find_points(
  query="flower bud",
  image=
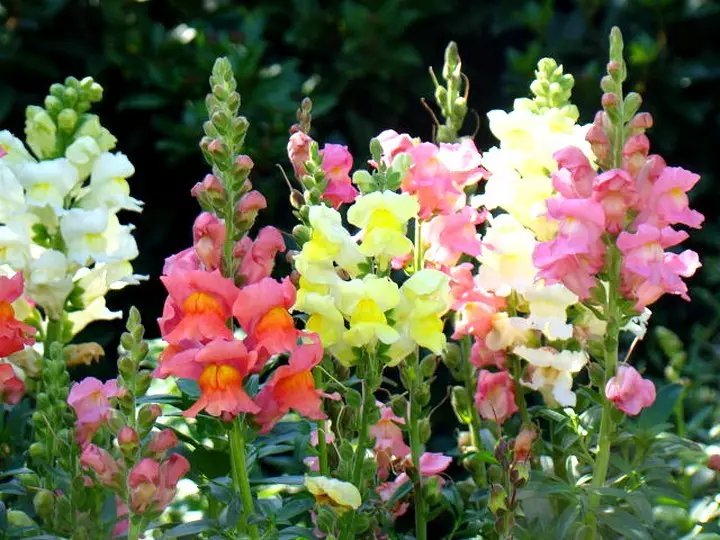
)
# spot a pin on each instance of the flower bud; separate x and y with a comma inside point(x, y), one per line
point(498, 499)
point(461, 404)
point(162, 441)
point(428, 365)
point(296, 199)
point(67, 120)
point(29, 480)
point(43, 502)
point(244, 163)
point(148, 414)
point(609, 100)
point(452, 357)
point(142, 382)
point(301, 234)
point(128, 439)
point(126, 366)
point(425, 430)
point(714, 462)
point(641, 121)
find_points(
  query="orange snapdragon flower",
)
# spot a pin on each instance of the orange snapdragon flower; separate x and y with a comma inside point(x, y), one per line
point(198, 306)
point(262, 311)
point(293, 387)
point(219, 368)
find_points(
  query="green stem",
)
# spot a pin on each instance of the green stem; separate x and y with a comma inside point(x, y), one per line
point(53, 333)
point(475, 423)
point(368, 401)
point(322, 441)
point(416, 448)
point(240, 478)
point(607, 427)
point(520, 391)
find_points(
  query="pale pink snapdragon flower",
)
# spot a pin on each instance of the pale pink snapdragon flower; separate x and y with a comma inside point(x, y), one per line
point(629, 391)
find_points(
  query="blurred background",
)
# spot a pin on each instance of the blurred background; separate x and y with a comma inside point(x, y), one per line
point(364, 64)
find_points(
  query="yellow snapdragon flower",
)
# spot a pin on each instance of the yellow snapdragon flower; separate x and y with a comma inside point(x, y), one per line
point(330, 242)
point(342, 496)
point(325, 319)
point(383, 217)
point(424, 299)
point(365, 303)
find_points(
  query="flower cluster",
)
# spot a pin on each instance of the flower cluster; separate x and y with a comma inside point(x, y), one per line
point(59, 206)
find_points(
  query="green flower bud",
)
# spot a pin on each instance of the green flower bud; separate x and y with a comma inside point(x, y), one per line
point(498, 499)
point(56, 90)
point(40, 131)
point(70, 96)
point(44, 501)
point(301, 234)
point(67, 120)
point(461, 404)
point(53, 105)
point(597, 374)
point(452, 357)
point(428, 365)
point(148, 414)
point(425, 430)
point(399, 406)
point(29, 480)
point(142, 382)
point(126, 366)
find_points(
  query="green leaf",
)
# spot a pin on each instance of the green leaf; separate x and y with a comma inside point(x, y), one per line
point(189, 387)
point(295, 507)
point(193, 529)
point(294, 480)
point(292, 533)
point(143, 102)
point(566, 520)
point(625, 524)
point(660, 411)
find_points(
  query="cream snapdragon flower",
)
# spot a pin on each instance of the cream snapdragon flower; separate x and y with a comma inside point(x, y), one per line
point(551, 372)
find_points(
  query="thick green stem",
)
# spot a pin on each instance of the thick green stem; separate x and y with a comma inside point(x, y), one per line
point(322, 440)
point(607, 427)
point(240, 478)
point(53, 333)
point(416, 445)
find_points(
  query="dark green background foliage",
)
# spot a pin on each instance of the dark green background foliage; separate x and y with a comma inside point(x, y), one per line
point(364, 65)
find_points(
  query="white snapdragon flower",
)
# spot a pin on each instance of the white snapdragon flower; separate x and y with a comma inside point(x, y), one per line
point(15, 242)
point(108, 185)
point(507, 257)
point(47, 183)
point(548, 309)
point(82, 153)
point(12, 195)
point(48, 282)
point(508, 332)
point(551, 372)
point(96, 311)
point(15, 152)
point(97, 235)
point(96, 282)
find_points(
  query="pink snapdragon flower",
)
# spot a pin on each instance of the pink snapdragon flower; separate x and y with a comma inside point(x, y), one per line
point(669, 203)
point(431, 182)
point(186, 260)
point(208, 239)
point(463, 161)
point(560, 262)
point(615, 190)
point(434, 463)
point(257, 258)
point(298, 150)
point(12, 387)
point(393, 144)
point(389, 443)
point(101, 463)
point(336, 164)
point(574, 177)
point(629, 391)
point(581, 223)
point(481, 356)
point(90, 399)
point(649, 271)
point(449, 236)
point(153, 486)
point(495, 397)
point(162, 441)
